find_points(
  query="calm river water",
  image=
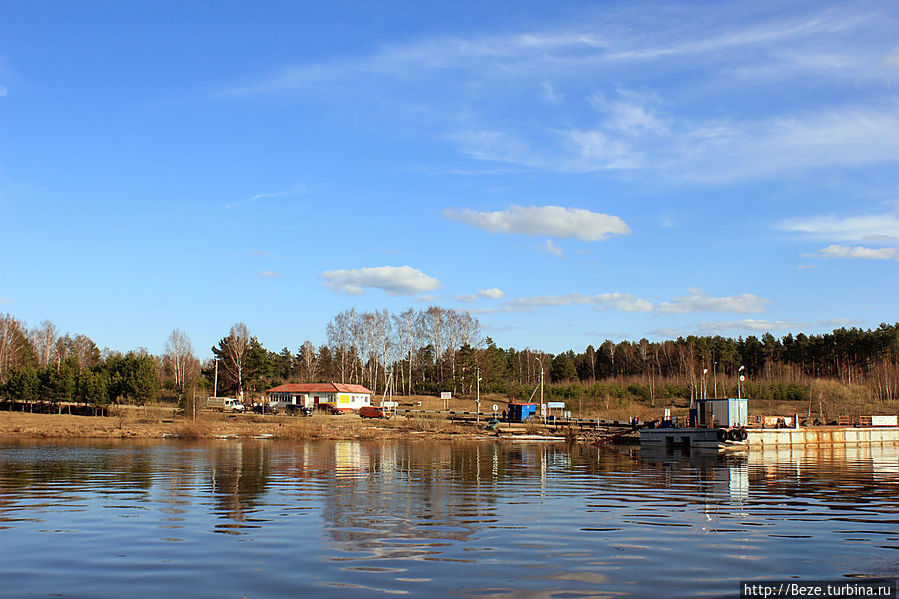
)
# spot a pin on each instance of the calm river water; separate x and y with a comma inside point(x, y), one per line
point(425, 518)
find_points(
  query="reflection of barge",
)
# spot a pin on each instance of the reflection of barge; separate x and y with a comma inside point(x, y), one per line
point(721, 424)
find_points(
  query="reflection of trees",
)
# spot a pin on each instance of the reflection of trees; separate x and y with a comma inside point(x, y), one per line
point(238, 477)
point(383, 495)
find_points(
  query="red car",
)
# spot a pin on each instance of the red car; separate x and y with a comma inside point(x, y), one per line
point(373, 412)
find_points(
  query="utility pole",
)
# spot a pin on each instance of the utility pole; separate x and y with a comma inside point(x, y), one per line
point(215, 385)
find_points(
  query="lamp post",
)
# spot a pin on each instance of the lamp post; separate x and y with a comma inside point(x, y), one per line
point(705, 371)
point(541, 388)
point(740, 382)
point(715, 376)
point(478, 417)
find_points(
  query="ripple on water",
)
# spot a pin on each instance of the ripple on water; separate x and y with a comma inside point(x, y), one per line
point(480, 520)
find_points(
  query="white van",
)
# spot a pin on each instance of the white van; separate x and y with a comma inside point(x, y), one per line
point(224, 404)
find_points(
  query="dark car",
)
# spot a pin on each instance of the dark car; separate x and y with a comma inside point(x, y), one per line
point(295, 410)
point(329, 408)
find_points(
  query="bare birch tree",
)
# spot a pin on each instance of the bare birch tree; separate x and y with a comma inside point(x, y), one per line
point(179, 354)
point(308, 361)
point(340, 339)
point(12, 339)
point(234, 354)
point(44, 341)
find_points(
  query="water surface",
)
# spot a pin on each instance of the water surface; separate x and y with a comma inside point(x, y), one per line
point(424, 518)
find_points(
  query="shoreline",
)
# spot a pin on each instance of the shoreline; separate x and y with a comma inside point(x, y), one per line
point(23, 425)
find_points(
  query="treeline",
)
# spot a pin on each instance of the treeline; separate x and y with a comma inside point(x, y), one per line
point(437, 349)
point(40, 365)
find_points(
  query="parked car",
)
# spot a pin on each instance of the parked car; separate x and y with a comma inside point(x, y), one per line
point(329, 408)
point(373, 412)
point(294, 410)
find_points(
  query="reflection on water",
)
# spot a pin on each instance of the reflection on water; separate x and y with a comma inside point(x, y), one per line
point(262, 519)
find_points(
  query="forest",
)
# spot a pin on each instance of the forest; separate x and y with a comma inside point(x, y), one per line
point(422, 352)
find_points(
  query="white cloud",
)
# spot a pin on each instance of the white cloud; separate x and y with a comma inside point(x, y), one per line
point(549, 247)
point(603, 301)
point(427, 297)
point(551, 221)
point(870, 228)
point(394, 280)
point(860, 252)
point(493, 293)
point(6, 300)
point(699, 301)
point(3, 92)
point(270, 274)
point(751, 324)
point(467, 298)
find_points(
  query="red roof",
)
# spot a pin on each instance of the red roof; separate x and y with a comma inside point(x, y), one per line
point(318, 388)
point(347, 388)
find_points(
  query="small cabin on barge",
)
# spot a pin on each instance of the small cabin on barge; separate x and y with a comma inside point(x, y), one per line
point(718, 423)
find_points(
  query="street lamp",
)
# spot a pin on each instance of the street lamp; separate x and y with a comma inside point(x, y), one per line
point(715, 376)
point(541, 387)
point(705, 371)
point(478, 417)
point(740, 382)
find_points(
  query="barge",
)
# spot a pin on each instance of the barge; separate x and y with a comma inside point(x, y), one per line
point(722, 424)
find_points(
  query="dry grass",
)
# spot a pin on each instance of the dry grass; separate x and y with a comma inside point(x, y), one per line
point(191, 430)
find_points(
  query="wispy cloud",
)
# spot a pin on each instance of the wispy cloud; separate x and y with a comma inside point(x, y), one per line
point(857, 252)
point(393, 280)
point(551, 221)
point(466, 298)
point(875, 228)
point(293, 191)
point(699, 301)
point(3, 91)
point(837, 323)
point(5, 300)
point(270, 274)
point(625, 302)
point(561, 69)
point(751, 324)
point(667, 333)
point(550, 248)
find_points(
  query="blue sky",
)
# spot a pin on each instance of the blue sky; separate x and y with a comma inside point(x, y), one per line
point(567, 171)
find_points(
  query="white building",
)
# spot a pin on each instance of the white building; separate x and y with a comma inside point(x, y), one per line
point(341, 396)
